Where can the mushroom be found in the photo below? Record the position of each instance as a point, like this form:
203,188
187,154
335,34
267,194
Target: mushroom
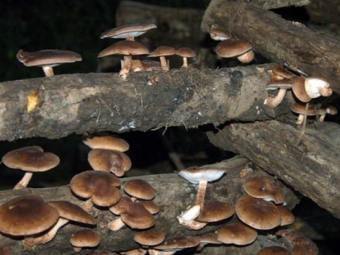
47,59
105,141
162,52
214,211
218,34
84,238
185,53
300,109
27,216
174,244
127,31
326,110
282,85
235,48
274,250
207,238
150,237
98,187
30,159
257,213
139,189
317,86
299,89
109,161
236,233
126,48
287,216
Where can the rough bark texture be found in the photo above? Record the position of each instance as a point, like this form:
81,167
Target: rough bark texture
277,39
174,194
270,4
312,167
81,103
324,11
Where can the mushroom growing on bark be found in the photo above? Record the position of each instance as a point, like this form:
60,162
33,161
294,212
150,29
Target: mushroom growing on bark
84,238
235,48
47,59
127,31
162,52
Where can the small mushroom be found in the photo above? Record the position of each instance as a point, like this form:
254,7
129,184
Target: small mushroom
162,52
331,110
218,34
236,233
300,109
127,31
105,141
282,85
47,59
185,53
235,48
30,159
139,189
150,237
274,250
84,238
317,86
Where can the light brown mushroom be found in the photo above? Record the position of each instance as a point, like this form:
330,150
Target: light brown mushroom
300,109
162,52
236,233
47,59
127,31
139,189
283,85
150,237
185,53
274,250
105,141
235,48
84,238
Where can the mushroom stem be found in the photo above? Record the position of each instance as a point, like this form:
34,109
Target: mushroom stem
53,231
185,62
164,63
116,224
24,181
126,67
48,70
300,119
246,57
275,101
304,122
87,205
202,186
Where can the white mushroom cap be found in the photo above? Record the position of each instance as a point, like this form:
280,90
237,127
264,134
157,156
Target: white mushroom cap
197,175
127,31
317,86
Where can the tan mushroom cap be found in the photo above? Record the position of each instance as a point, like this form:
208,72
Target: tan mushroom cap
30,158
150,206
72,212
215,211
84,238
100,186
186,52
257,213
279,84
47,57
274,250
109,161
123,204
127,30
282,72
106,141
162,51
178,243
298,88
124,48
218,34
300,108
232,48
236,233
287,217
140,189
149,237
26,215
137,217
263,187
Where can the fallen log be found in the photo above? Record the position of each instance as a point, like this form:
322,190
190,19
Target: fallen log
81,103
277,39
174,194
311,167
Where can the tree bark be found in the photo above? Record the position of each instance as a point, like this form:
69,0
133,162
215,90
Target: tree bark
324,11
311,167
280,40
174,195
270,4
81,103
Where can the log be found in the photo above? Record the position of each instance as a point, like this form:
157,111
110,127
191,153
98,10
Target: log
311,167
174,194
324,11
79,103
277,39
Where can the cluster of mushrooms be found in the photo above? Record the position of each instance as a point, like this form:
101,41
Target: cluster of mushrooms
262,207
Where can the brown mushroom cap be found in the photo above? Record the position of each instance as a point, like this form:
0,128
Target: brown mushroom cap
100,186
232,48
186,52
162,51
72,212
298,88
149,237
215,211
47,57
140,189
300,109
109,161
26,215
123,204
127,30
137,217
274,250
150,206
31,158
124,48
257,213
287,217
263,187
236,233
178,243
279,84
85,238
106,141
218,34
282,72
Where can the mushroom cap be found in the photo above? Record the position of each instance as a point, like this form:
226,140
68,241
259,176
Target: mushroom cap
30,158
47,57
100,186
282,72
178,243
300,109
287,217
210,237
215,211
274,250
232,48
26,215
123,204
109,161
313,84
162,51
140,189
257,213
106,141
72,212
331,110
124,48
299,90
186,52
127,30
236,233
149,237
218,34
263,187
137,217
279,84
150,206
85,238
195,175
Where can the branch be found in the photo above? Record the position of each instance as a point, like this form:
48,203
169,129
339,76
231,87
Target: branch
174,194
312,167
81,103
270,4
277,39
